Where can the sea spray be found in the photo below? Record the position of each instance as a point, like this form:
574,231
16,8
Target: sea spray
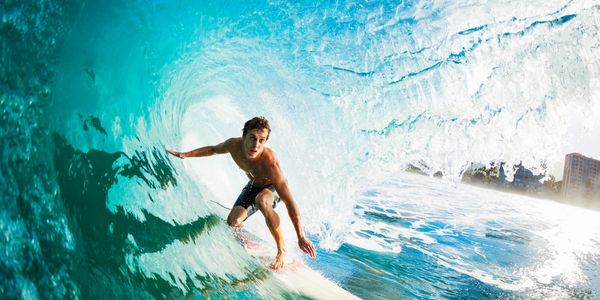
354,92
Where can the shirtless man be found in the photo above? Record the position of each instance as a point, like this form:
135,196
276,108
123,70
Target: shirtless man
262,168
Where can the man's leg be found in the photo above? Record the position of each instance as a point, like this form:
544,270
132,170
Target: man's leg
264,202
237,216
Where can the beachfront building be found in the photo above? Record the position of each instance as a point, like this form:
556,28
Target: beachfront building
581,177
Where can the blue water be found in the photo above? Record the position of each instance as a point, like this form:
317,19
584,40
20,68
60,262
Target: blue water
93,92
434,240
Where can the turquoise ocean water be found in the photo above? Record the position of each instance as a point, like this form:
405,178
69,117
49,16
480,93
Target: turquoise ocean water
92,92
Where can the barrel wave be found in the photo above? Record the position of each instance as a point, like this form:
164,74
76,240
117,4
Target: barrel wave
355,91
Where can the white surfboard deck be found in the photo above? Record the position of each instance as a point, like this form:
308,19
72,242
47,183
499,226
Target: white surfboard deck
295,274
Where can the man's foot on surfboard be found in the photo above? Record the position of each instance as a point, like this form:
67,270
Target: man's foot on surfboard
279,260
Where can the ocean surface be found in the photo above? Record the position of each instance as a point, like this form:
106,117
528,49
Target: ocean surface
92,92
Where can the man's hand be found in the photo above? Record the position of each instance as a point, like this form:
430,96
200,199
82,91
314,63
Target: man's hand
176,153
307,246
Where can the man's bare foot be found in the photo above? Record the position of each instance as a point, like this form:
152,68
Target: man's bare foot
279,260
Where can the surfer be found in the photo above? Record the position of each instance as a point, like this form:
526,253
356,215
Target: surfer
266,185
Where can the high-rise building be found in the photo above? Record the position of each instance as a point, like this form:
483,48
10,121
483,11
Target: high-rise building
581,177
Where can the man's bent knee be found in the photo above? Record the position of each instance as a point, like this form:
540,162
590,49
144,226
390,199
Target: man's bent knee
235,222
264,200
236,217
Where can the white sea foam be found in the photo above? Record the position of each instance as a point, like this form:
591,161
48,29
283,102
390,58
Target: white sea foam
553,238
353,94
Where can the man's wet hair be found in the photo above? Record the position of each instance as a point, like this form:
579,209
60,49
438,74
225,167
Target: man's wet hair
257,123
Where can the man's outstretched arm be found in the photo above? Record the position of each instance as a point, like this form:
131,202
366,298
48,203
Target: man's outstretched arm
286,196
203,151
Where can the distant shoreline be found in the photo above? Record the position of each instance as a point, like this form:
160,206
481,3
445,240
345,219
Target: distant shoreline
550,189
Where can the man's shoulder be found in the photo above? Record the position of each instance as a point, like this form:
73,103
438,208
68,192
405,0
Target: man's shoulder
271,164
232,141
270,158
269,152
228,145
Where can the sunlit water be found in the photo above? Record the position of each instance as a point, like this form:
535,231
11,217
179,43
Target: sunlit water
415,236
93,92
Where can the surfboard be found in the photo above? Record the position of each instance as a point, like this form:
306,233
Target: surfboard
295,275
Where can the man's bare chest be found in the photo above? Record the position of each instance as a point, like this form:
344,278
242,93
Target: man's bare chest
254,170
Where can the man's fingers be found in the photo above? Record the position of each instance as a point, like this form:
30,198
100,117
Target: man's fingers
308,248
313,252
174,153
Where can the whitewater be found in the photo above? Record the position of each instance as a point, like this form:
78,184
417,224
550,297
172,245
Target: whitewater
93,92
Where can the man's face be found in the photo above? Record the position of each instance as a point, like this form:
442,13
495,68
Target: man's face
254,142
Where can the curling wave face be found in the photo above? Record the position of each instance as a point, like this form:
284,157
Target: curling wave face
354,92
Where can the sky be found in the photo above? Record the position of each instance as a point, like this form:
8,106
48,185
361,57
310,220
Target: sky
585,140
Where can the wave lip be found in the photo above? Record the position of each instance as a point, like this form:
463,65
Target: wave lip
92,94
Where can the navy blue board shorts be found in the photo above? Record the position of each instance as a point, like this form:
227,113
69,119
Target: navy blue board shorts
247,198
